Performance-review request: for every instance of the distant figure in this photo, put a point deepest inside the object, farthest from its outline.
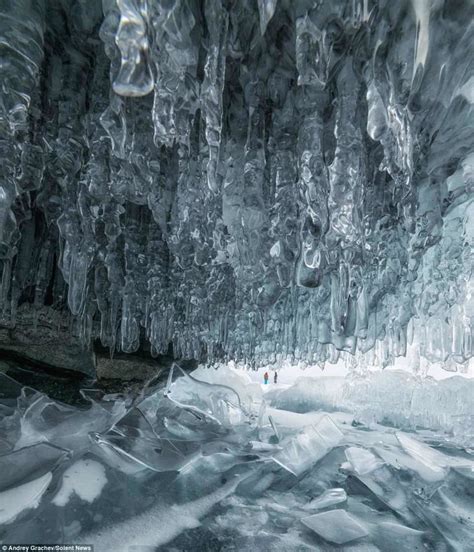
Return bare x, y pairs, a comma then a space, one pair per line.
265, 377
275, 377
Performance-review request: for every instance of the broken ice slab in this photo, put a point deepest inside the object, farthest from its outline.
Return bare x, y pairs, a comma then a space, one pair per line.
330, 497
399, 460
115, 457
216, 402
466, 472
258, 446
336, 526
275, 438
20, 498
257, 483
310, 445
68, 427
29, 463
9, 389
250, 392
185, 425
362, 461
393, 537
451, 516
182, 432
385, 488
430, 457
132, 456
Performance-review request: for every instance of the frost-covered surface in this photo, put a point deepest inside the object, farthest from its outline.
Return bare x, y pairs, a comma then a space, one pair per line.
195, 465
247, 180
85, 478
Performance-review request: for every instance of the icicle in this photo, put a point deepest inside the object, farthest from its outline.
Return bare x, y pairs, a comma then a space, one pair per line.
213, 85
134, 77
266, 9
422, 9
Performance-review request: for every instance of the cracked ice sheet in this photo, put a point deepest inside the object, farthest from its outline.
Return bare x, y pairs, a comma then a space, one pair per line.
295, 420
362, 460
159, 525
26, 496
269, 487
336, 526
301, 451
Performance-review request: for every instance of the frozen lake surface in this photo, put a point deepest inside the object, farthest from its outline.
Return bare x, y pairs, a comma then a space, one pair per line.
216, 461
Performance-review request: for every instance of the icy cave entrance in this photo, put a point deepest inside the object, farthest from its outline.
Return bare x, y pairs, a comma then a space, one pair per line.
218, 460
259, 181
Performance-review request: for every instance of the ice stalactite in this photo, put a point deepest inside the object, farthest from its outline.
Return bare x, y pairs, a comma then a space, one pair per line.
135, 76
213, 85
251, 180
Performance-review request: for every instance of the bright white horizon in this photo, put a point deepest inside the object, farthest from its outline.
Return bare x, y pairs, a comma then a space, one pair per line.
288, 373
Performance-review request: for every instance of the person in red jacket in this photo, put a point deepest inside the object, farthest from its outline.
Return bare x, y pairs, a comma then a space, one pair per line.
265, 377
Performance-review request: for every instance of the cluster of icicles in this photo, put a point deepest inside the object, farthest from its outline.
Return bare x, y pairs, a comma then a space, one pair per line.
255, 181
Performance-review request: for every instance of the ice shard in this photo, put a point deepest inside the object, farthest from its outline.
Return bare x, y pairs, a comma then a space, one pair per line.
330, 497
362, 460
302, 451
336, 526
28, 495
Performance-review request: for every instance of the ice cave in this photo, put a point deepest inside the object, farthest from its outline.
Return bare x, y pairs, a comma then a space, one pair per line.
236, 259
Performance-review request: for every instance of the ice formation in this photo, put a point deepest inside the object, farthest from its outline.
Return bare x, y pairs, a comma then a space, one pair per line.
251, 183
167, 475
14, 501
252, 180
336, 526
394, 397
330, 497
310, 445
